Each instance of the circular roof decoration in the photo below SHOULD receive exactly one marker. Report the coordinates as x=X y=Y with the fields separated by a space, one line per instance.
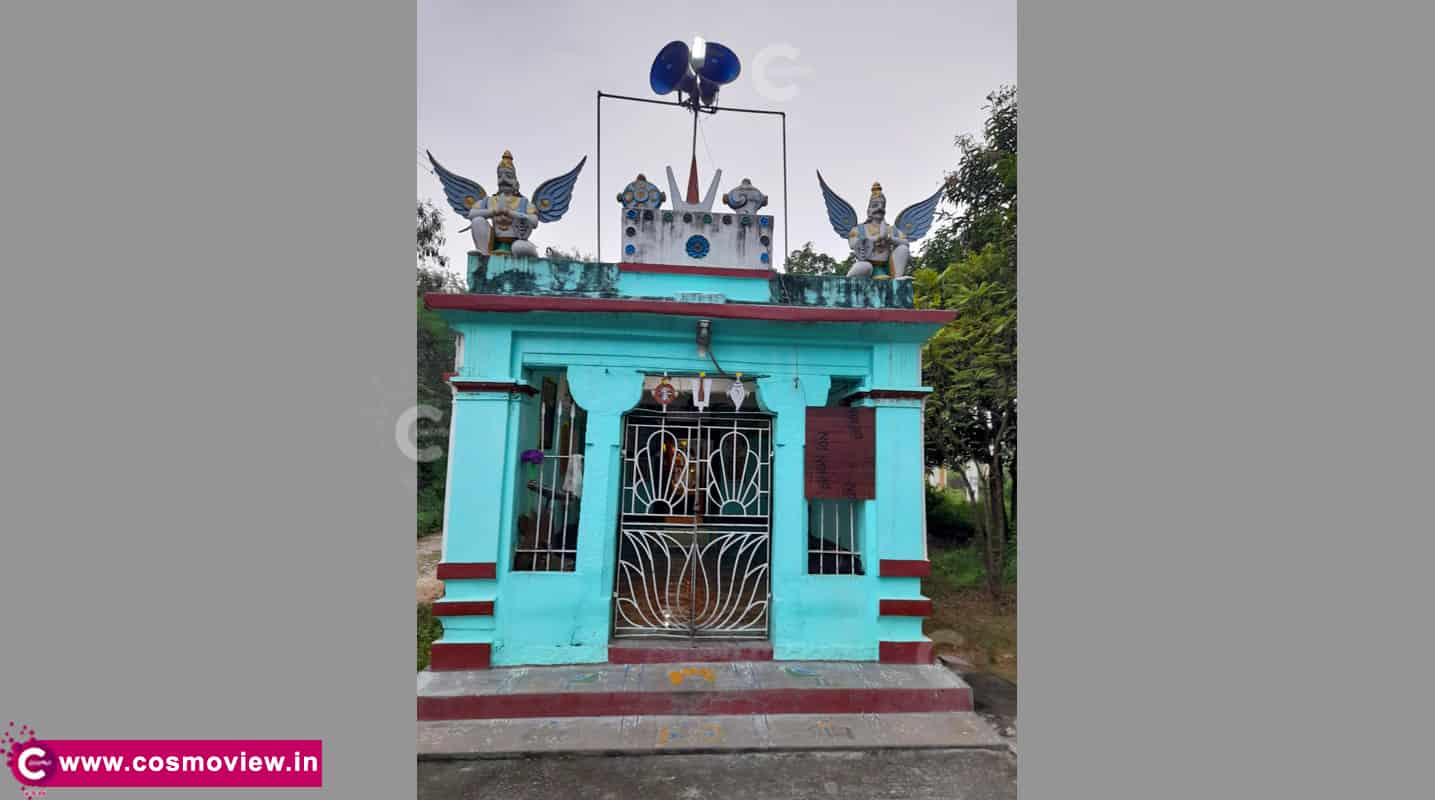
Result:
x=641 y=194
x=630 y=249
x=698 y=246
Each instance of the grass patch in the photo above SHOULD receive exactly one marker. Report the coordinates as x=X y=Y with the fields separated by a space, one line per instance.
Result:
x=962 y=568
x=429 y=629
x=957 y=567
x=984 y=628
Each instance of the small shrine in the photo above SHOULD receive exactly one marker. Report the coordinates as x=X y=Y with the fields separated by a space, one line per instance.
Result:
x=682 y=449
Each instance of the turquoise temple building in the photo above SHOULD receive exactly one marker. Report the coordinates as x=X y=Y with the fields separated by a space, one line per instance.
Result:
x=584 y=514
x=684 y=454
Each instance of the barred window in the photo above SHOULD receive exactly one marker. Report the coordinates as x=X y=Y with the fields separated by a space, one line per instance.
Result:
x=833 y=537
x=550 y=479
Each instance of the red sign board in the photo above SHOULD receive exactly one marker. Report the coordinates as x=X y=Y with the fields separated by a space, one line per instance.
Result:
x=841 y=462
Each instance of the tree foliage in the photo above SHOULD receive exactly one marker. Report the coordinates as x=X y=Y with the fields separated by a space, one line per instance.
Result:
x=436 y=348
x=970 y=266
x=810 y=262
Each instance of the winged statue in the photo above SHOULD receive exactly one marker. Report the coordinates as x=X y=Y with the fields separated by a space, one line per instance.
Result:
x=879 y=250
x=502 y=222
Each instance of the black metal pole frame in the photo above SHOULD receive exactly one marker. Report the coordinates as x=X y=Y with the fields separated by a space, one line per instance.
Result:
x=598 y=181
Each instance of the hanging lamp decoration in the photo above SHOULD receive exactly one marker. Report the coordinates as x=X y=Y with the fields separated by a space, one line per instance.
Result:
x=665 y=392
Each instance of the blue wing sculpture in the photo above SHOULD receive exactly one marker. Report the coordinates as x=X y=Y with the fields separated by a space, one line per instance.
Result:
x=839 y=211
x=916 y=219
x=551 y=198
x=461 y=192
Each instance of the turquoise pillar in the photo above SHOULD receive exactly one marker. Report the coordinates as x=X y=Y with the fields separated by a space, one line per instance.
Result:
x=605 y=395
x=788 y=397
x=898 y=518
x=478 y=507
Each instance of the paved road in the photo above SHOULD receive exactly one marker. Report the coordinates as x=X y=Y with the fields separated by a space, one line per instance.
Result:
x=906 y=774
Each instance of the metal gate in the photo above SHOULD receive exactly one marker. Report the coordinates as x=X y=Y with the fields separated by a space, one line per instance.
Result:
x=694 y=525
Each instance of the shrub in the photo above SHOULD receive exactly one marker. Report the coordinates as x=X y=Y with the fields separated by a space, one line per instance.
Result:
x=429 y=629
x=430 y=510
x=949 y=518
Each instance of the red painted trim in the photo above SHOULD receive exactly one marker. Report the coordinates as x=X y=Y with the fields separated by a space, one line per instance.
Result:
x=756 y=701
x=459 y=656
x=502 y=303
x=887 y=394
x=464 y=608
x=454 y=569
x=893 y=608
x=681 y=269
x=904 y=652
x=898 y=568
x=685 y=655
x=493 y=386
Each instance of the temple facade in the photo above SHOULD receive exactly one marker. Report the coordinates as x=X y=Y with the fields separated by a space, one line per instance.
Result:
x=684 y=455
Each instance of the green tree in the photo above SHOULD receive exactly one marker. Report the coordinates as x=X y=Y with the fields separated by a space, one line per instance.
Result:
x=436 y=348
x=970 y=266
x=810 y=262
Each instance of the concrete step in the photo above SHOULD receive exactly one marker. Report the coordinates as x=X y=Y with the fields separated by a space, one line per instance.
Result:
x=644 y=734
x=693 y=689
x=646 y=651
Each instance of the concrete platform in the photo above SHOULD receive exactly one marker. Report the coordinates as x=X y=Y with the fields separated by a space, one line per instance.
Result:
x=925 y=774
x=691 y=689
x=552 y=736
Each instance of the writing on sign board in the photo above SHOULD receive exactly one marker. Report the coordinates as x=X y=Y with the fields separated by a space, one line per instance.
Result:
x=841 y=452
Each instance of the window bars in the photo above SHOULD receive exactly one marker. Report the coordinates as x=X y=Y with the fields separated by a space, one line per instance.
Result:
x=832 y=546
x=551 y=483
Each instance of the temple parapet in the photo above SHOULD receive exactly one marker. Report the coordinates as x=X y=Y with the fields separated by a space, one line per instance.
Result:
x=505 y=275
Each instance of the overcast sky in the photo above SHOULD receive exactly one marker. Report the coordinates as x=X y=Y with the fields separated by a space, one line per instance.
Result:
x=876 y=93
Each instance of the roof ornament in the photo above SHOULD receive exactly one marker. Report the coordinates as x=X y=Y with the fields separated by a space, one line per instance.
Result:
x=745 y=198
x=879 y=250
x=502 y=222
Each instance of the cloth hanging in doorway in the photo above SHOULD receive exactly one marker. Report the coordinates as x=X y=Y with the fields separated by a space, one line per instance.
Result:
x=573 y=478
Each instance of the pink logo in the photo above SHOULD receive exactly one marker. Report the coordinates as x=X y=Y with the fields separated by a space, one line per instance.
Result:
x=30 y=760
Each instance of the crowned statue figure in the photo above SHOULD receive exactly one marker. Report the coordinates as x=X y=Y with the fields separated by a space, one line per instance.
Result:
x=502 y=222
x=879 y=250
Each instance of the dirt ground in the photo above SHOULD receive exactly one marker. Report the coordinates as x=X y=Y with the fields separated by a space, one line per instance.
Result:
x=968 y=624
x=429 y=550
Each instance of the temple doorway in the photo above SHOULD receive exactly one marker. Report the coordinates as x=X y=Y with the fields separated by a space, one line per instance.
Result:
x=695 y=513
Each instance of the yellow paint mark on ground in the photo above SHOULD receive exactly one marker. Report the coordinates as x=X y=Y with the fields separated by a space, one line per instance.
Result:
x=676 y=676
